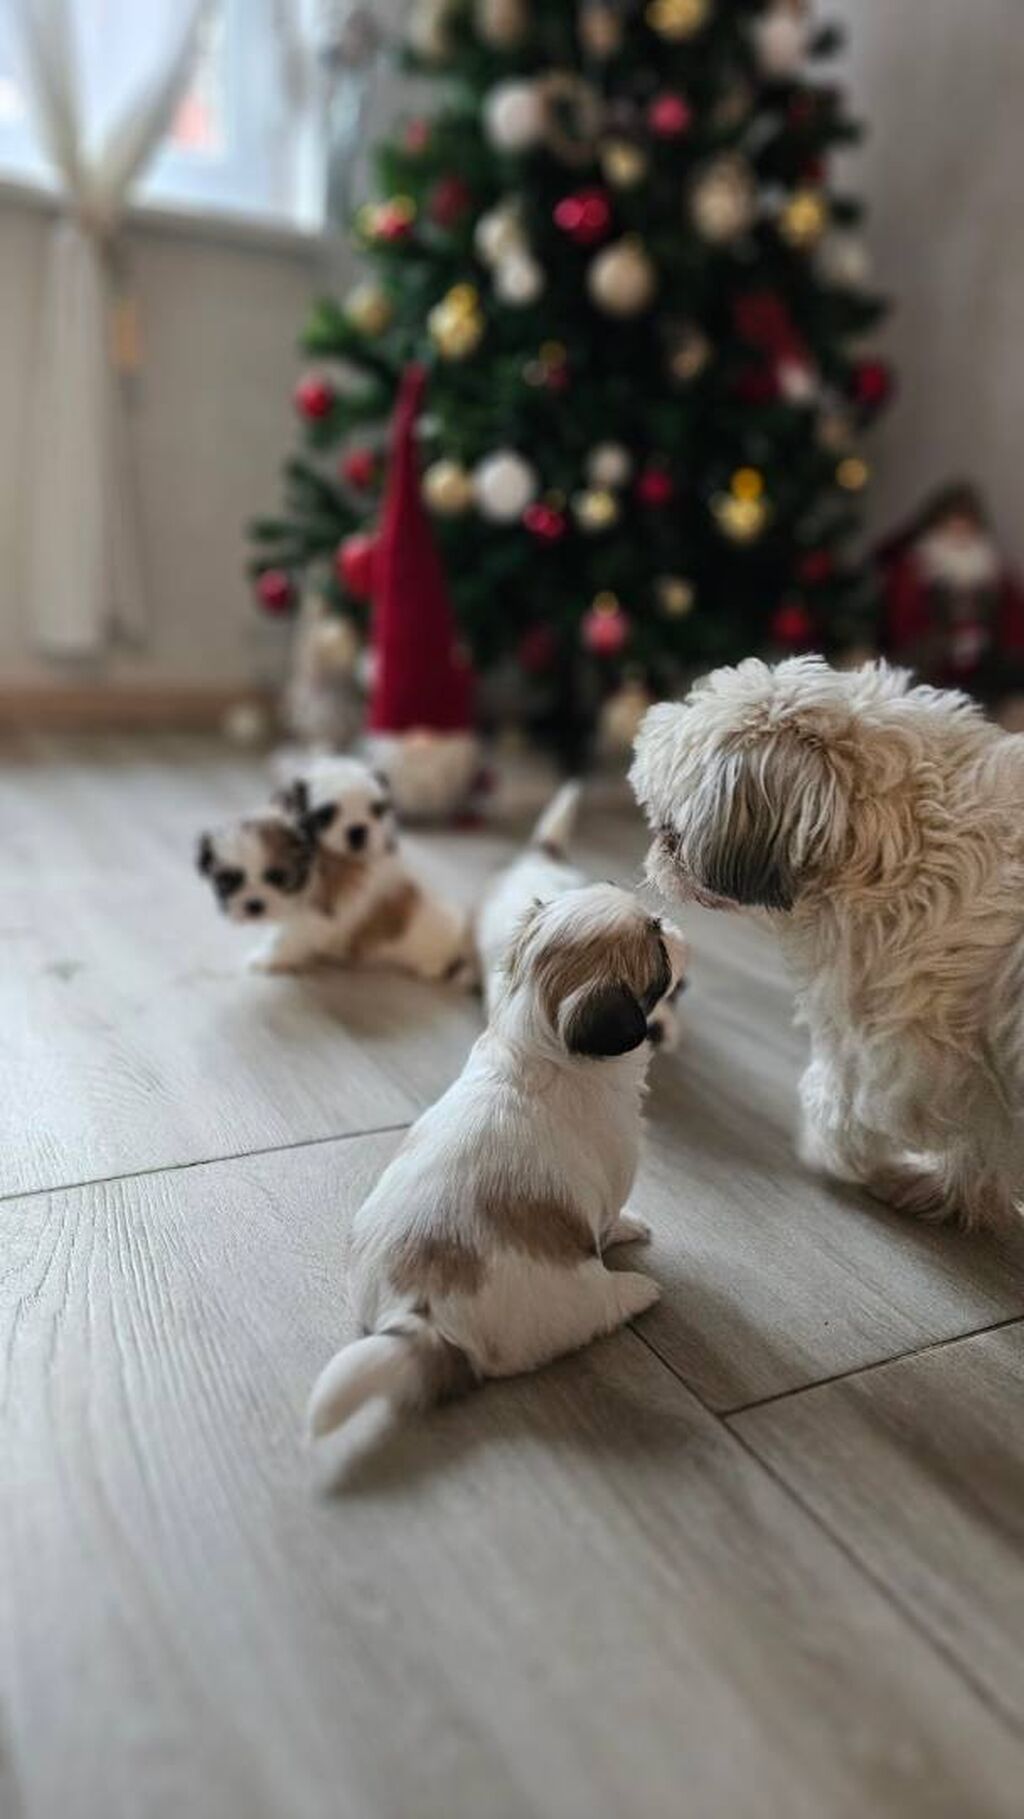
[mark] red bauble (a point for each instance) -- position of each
(392, 222)
(545, 522)
(871, 383)
(557, 376)
(450, 198)
(314, 397)
(538, 649)
(605, 630)
(792, 624)
(274, 590)
(669, 115)
(757, 385)
(359, 467)
(354, 564)
(655, 486)
(586, 216)
(416, 137)
(815, 567)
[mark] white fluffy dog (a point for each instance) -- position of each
(883, 825)
(540, 873)
(479, 1252)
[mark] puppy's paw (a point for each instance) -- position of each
(922, 1193)
(277, 960)
(635, 1293)
(628, 1229)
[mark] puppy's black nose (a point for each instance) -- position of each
(357, 837)
(253, 906)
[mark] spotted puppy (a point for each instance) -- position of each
(480, 1253)
(541, 872)
(324, 866)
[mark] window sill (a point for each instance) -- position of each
(219, 227)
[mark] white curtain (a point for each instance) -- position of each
(104, 78)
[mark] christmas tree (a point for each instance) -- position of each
(642, 305)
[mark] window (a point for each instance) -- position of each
(238, 145)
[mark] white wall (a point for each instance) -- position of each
(210, 423)
(940, 85)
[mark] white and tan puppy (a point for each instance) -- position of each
(883, 827)
(480, 1251)
(542, 872)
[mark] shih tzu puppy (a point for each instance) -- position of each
(324, 866)
(882, 825)
(480, 1251)
(542, 872)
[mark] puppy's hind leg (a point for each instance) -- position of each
(567, 1307)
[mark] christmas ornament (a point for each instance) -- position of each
(780, 39)
(369, 309)
(504, 485)
(420, 722)
(742, 513)
(585, 216)
(449, 201)
(853, 474)
(835, 431)
(514, 115)
(792, 625)
(335, 645)
(427, 32)
(675, 596)
(609, 464)
(503, 24)
(274, 590)
(871, 382)
(688, 351)
(622, 714)
(545, 522)
(550, 370)
(677, 19)
(845, 261)
(537, 650)
(623, 163)
(314, 398)
(762, 319)
(600, 30)
(804, 218)
(519, 279)
(723, 198)
(246, 724)
(416, 137)
(595, 509)
(572, 116)
(455, 324)
(359, 467)
(323, 702)
(387, 222)
(499, 233)
(448, 488)
(354, 562)
(621, 280)
(605, 628)
(815, 567)
(669, 116)
(655, 487)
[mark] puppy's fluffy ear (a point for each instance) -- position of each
(294, 798)
(603, 1020)
(764, 815)
(204, 855)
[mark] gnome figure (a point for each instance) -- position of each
(420, 728)
(953, 610)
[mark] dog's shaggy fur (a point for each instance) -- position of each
(883, 825)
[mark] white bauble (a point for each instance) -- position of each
(427, 30)
(780, 39)
(723, 198)
(845, 261)
(514, 116)
(499, 233)
(519, 279)
(609, 465)
(621, 279)
(505, 484)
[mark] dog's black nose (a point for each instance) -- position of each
(254, 906)
(357, 837)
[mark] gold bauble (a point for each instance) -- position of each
(689, 351)
(675, 595)
(448, 488)
(571, 109)
(677, 19)
(741, 520)
(369, 309)
(600, 30)
(804, 218)
(596, 509)
(853, 474)
(623, 164)
(455, 324)
(503, 24)
(747, 483)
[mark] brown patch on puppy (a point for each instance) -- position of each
(286, 851)
(435, 1263)
(633, 956)
(336, 876)
(387, 921)
(545, 1226)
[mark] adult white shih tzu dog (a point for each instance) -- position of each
(882, 825)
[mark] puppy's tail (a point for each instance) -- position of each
(555, 828)
(410, 1366)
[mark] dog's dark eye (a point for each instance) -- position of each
(228, 881)
(321, 818)
(379, 809)
(277, 877)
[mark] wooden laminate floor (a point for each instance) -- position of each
(762, 1555)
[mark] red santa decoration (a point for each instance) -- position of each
(420, 729)
(953, 609)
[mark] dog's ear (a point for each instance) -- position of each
(603, 1020)
(767, 813)
(294, 798)
(204, 855)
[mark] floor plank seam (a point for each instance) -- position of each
(176, 1168)
(1005, 1714)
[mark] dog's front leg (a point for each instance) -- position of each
(294, 946)
(959, 1188)
(833, 1140)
